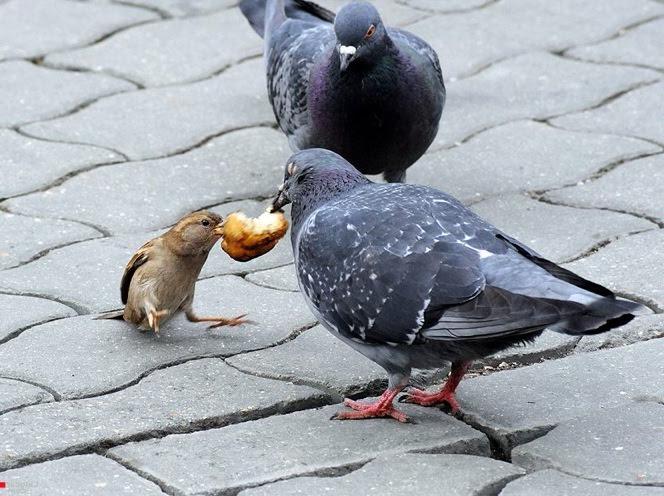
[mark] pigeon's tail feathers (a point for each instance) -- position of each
(265, 16)
(115, 315)
(600, 316)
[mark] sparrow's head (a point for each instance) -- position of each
(196, 233)
(314, 176)
(361, 34)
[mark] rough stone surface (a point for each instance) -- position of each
(32, 93)
(626, 266)
(227, 168)
(318, 358)
(17, 394)
(554, 483)
(19, 312)
(643, 328)
(444, 6)
(636, 187)
(34, 164)
(84, 475)
(621, 445)
(511, 27)
(74, 356)
(636, 46)
(516, 406)
(629, 115)
(300, 443)
(169, 52)
(280, 278)
(200, 393)
(50, 25)
(535, 85)
(393, 13)
(185, 8)
(521, 156)
(548, 345)
(408, 474)
(559, 233)
(148, 123)
(23, 238)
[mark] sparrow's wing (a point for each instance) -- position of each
(139, 258)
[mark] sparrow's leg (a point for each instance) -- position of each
(219, 321)
(154, 316)
(445, 395)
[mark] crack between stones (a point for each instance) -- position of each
(16, 333)
(49, 390)
(587, 131)
(267, 286)
(606, 481)
(163, 14)
(435, 12)
(80, 310)
(104, 233)
(569, 56)
(63, 67)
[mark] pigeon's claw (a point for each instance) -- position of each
(379, 409)
(425, 398)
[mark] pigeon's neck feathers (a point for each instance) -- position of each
(323, 188)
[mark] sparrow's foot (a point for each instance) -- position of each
(153, 319)
(380, 408)
(425, 398)
(232, 322)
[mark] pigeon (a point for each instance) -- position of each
(411, 278)
(160, 278)
(346, 82)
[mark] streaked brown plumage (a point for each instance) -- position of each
(160, 278)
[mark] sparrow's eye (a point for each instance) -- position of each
(370, 31)
(205, 222)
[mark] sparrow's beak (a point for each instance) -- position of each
(281, 200)
(219, 230)
(346, 56)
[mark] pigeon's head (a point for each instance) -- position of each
(361, 34)
(313, 177)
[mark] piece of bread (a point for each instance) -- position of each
(245, 238)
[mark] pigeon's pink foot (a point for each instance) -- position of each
(383, 407)
(445, 396)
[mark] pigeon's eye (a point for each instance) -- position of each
(205, 222)
(370, 31)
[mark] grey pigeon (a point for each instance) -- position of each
(348, 83)
(411, 278)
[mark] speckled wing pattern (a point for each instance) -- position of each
(294, 48)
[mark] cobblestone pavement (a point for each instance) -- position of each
(119, 116)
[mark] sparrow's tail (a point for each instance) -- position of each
(115, 315)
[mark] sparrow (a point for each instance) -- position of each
(160, 278)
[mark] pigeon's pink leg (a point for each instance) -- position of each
(381, 408)
(445, 395)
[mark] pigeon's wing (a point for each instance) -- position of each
(372, 269)
(139, 258)
(304, 7)
(404, 38)
(292, 52)
(254, 11)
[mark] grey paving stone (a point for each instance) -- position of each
(83, 475)
(32, 93)
(629, 115)
(558, 233)
(22, 238)
(50, 25)
(33, 164)
(19, 312)
(74, 356)
(516, 406)
(187, 397)
(511, 27)
(280, 278)
(547, 346)
(405, 474)
(445, 5)
(642, 328)
(629, 266)
(183, 8)
(520, 156)
(169, 52)
(554, 483)
(318, 358)
(636, 186)
(636, 46)
(393, 13)
(622, 445)
(227, 168)
(301, 443)
(17, 394)
(161, 121)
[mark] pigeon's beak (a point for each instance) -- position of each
(346, 56)
(281, 200)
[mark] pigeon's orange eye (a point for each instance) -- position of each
(370, 31)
